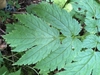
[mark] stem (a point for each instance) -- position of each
(2, 31)
(7, 59)
(14, 55)
(13, 61)
(33, 70)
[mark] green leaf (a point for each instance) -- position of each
(91, 41)
(1, 59)
(60, 3)
(68, 7)
(35, 36)
(77, 6)
(83, 65)
(38, 53)
(16, 73)
(90, 7)
(91, 11)
(98, 45)
(91, 26)
(9, 27)
(96, 69)
(3, 70)
(63, 55)
(33, 32)
(57, 17)
(92, 15)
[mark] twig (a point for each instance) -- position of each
(19, 12)
(2, 31)
(0, 35)
(33, 70)
(8, 59)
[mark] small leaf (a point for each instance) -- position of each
(3, 70)
(1, 59)
(91, 26)
(16, 73)
(90, 41)
(68, 7)
(90, 7)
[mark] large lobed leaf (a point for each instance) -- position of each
(33, 32)
(41, 40)
(57, 17)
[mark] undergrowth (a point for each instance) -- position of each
(59, 37)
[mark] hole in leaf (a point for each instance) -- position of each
(94, 18)
(95, 49)
(98, 33)
(57, 71)
(79, 9)
(82, 32)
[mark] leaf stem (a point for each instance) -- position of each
(33, 70)
(7, 59)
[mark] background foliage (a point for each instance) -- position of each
(56, 37)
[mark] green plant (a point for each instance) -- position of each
(55, 39)
(4, 16)
(14, 3)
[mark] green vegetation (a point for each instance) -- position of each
(54, 38)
